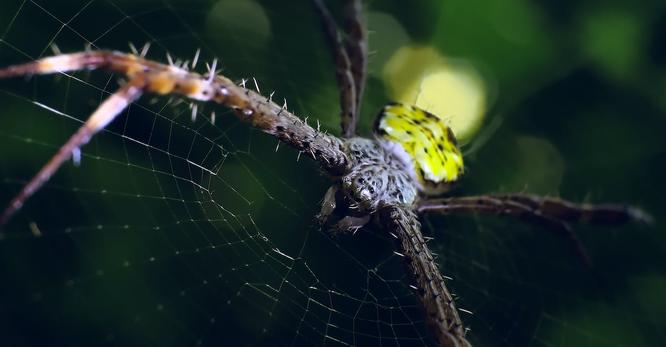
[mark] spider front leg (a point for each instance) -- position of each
(152, 77)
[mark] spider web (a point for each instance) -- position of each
(173, 232)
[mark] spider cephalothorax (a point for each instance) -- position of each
(377, 178)
(412, 152)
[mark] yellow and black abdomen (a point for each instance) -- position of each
(424, 143)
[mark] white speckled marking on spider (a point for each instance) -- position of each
(377, 177)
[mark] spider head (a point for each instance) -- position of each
(377, 179)
(423, 143)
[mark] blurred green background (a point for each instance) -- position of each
(177, 233)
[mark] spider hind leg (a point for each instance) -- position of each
(552, 213)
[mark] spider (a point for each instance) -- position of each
(388, 179)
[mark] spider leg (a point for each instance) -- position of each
(343, 71)
(601, 214)
(551, 208)
(328, 204)
(357, 47)
(105, 113)
(441, 313)
(152, 77)
(350, 224)
(552, 213)
(126, 64)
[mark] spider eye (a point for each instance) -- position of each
(423, 142)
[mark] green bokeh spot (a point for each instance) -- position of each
(612, 39)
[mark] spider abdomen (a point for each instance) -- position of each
(424, 144)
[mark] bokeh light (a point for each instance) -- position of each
(449, 88)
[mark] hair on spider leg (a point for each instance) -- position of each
(194, 107)
(76, 156)
(133, 48)
(145, 49)
(195, 60)
(175, 101)
(55, 49)
(256, 85)
(212, 71)
(169, 59)
(465, 311)
(483, 137)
